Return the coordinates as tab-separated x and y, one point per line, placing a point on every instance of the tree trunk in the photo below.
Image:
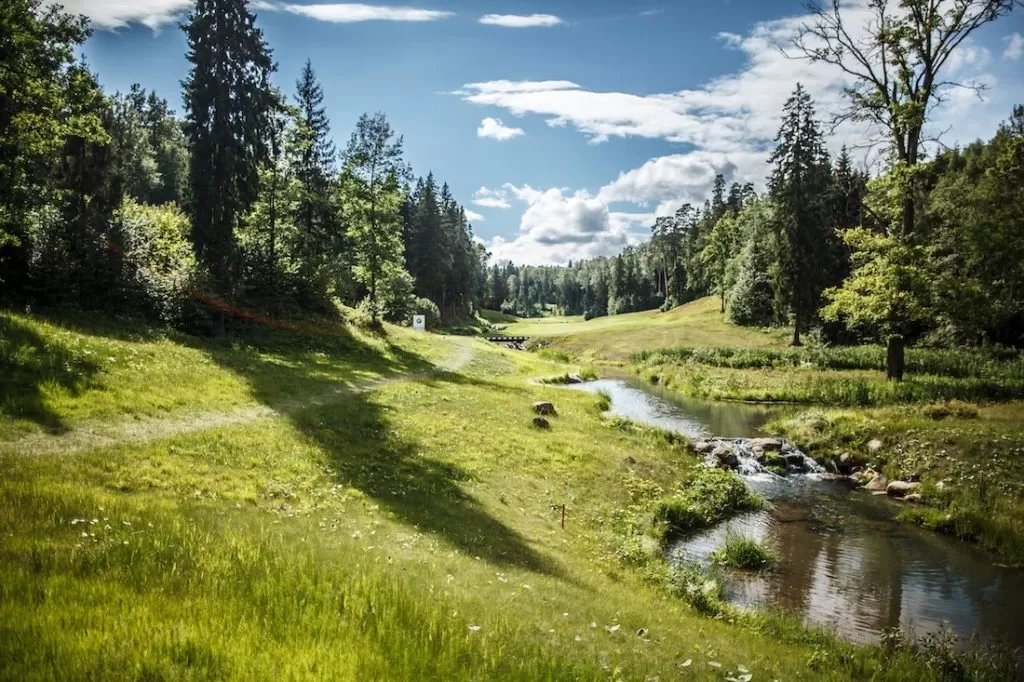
796	330
894	358
722	306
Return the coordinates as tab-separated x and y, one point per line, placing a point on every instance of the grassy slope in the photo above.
408	532
617	337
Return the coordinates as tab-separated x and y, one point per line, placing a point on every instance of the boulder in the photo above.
726	456
766	444
543	407
758	453
901	488
847	463
914	498
878	484
703	447
795	459
575	379
541	423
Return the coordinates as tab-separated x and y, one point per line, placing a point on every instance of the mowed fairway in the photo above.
380	509
617	337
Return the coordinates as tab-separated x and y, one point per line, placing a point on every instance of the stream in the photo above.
845	562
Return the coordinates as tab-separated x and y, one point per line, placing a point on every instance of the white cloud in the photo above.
473	216
494	129
111	14
1014	47
521	21
559	226
491	198
726	125
346	13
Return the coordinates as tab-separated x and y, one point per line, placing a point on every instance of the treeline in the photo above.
241	206
823	248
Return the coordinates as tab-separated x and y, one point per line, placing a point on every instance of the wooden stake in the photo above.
563	517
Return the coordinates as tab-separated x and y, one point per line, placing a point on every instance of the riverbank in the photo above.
967	459
333	503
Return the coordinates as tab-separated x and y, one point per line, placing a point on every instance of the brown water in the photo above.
845	562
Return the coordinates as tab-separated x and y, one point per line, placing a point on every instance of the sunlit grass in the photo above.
412	532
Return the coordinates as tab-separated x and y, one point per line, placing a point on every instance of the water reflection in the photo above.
844	561
664	409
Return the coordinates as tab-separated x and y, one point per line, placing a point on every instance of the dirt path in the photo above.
142	430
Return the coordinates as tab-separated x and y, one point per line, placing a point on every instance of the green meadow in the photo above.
341	505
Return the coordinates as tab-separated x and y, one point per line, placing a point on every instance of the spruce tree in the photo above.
799	187
313	159
229	104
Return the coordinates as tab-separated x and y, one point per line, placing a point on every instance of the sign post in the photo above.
419	322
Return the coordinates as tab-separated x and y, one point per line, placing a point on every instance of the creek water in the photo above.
845	562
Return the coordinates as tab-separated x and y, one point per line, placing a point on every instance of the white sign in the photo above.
419	322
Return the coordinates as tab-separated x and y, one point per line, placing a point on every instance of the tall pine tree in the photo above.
313	163
229	103
799	186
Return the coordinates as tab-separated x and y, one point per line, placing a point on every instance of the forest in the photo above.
818	250
240	207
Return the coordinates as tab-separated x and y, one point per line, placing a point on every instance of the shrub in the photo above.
952	408
744	553
709	497
697	587
158	265
394	293
426	307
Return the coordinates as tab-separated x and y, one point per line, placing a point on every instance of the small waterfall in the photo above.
750	456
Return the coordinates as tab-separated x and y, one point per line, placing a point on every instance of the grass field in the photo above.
618	337
373	509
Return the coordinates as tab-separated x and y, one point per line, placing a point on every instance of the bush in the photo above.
429	309
158	264
952	408
709	497
744	553
395	295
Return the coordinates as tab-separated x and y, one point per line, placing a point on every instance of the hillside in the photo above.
617	337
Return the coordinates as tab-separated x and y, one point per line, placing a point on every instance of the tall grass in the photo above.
947	362
835	376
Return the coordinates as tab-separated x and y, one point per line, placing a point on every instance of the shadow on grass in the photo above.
365	449
28	362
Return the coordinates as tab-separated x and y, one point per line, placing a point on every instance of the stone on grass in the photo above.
543	407
541	423
901	488
914	498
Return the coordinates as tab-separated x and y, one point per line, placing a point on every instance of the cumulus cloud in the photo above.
521	21
111	14
473	216
347	13
1014	47
491	198
558	226
726	125
494	129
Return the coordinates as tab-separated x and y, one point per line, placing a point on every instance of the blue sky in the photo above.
566	127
